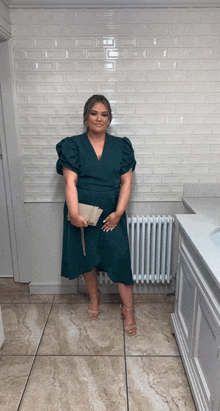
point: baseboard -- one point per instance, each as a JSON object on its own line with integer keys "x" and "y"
{"x": 153, "y": 288}
{"x": 65, "y": 286}
{"x": 62, "y": 287}
{"x": 108, "y": 287}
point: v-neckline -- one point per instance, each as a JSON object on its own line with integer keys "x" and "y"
{"x": 98, "y": 159}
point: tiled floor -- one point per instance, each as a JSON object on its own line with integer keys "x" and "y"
{"x": 54, "y": 358}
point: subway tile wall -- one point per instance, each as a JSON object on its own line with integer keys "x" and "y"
{"x": 160, "y": 69}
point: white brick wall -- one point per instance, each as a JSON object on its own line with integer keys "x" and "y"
{"x": 158, "y": 68}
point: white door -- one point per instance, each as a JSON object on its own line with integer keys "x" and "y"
{"x": 6, "y": 268}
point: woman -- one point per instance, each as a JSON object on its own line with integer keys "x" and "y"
{"x": 97, "y": 168}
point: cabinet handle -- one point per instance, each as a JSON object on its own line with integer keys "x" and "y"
{"x": 218, "y": 352}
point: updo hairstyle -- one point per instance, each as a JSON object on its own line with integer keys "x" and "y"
{"x": 96, "y": 98}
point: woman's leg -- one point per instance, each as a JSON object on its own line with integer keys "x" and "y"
{"x": 94, "y": 295}
{"x": 126, "y": 294}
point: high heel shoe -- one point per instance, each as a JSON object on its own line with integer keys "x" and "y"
{"x": 130, "y": 329}
{"x": 94, "y": 313}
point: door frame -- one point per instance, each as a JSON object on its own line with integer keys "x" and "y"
{"x": 13, "y": 169}
{"x": 9, "y": 261}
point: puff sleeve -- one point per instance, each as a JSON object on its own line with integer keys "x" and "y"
{"x": 68, "y": 154}
{"x": 128, "y": 159}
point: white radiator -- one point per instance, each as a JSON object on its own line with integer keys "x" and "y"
{"x": 150, "y": 241}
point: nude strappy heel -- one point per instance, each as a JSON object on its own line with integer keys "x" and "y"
{"x": 128, "y": 328}
{"x": 95, "y": 313}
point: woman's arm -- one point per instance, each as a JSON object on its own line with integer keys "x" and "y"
{"x": 113, "y": 219}
{"x": 70, "y": 178}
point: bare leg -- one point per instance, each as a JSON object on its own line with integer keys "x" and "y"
{"x": 126, "y": 294}
{"x": 92, "y": 287}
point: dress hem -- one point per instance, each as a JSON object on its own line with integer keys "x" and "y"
{"x": 75, "y": 278}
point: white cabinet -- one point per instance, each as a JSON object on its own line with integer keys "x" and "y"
{"x": 196, "y": 325}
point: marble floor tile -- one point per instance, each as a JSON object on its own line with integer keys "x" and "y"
{"x": 154, "y": 298}
{"x": 76, "y": 384}
{"x": 111, "y": 298}
{"x": 154, "y": 335}
{"x": 23, "y": 326}
{"x": 115, "y": 298}
{"x": 14, "y": 372}
{"x": 11, "y": 292}
{"x": 70, "y": 331}
{"x": 158, "y": 384}
{"x": 82, "y": 298}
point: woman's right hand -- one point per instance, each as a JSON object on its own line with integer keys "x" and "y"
{"x": 78, "y": 220}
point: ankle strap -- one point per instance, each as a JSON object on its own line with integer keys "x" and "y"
{"x": 127, "y": 308}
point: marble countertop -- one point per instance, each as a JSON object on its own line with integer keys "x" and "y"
{"x": 199, "y": 225}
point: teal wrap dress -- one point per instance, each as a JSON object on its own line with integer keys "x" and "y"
{"x": 98, "y": 184}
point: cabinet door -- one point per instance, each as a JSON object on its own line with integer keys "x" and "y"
{"x": 205, "y": 355}
{"x": 186, "y": 300}
{"x": 216, "y": 388}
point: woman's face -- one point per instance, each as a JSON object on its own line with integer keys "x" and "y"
{"x": 98, "y": 118}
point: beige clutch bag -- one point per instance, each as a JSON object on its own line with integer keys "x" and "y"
{"x": 91, "y": 214}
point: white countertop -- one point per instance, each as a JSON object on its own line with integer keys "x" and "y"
{"x": 198, "y": 227}
{"x": 208, "y": 207}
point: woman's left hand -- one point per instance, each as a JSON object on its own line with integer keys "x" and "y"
{"x": 111, "y": 221}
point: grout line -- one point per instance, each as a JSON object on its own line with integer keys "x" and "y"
{"x": 82, "y": 355}
{"x": 26, "y": 384}
{"x": 126, "y": 381}
{"x": 87, "y": 302}
{"x": 81, "y": 302}
{"x": 44, "y": 329}
{"x": 154, "y": 356}
{"x": 93, "y": 355}
{"x": 29, "y": 302}
{"x": 126, "y": 373}
{"x": 35, "y": 356}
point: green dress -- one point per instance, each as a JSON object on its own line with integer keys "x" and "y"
{"x": 98, "y": 184}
